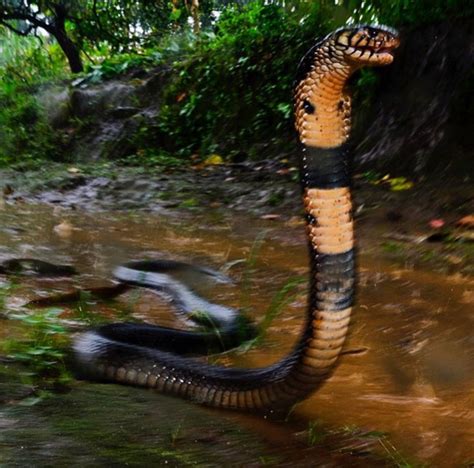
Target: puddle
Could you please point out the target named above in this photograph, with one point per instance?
(413, 382)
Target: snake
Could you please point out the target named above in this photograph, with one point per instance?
(322, 113)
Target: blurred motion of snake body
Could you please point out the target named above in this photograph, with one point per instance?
(323, 121)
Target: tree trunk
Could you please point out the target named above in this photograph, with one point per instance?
(195, 15)
(70, 50)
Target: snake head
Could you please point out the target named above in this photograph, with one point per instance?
(367, 45)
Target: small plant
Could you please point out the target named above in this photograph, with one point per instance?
(392, 247)
(189, 203)
(394, 454)
(150, 157)
(41, 349)
(280, 300)
(396, 184)
(4, 288)
(316, 433)
(284, 296)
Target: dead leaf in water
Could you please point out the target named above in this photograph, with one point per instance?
(295, 221)
(63, 229)
(468, 297)
(73, 170)
(436, 223)
(8, 190)
(271, 216)
(416, 239)
(466, 222)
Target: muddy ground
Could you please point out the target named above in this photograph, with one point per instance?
(404, 398)
(425, 222)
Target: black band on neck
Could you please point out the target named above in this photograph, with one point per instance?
(324, 168)
(333, 279)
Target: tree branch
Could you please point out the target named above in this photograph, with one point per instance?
(22, 16)
(15, 30)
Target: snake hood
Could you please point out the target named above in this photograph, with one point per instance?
(322, 102)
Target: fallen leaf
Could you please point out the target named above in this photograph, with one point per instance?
(466, 222)
(295, 221)
(416, 239)
(283, 171)
(464, 236)
(8, 190)
(213, 160)
(73, 170)
(436, 223)
(454, 259)
(398, 184)
(63, 229)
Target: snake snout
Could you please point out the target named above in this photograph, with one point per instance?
(368, 45)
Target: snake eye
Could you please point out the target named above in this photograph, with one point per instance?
(372, 33)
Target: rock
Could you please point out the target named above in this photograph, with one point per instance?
(55, 102)
(93, 102)
(123, 112)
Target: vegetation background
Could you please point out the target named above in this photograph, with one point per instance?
(226, 70)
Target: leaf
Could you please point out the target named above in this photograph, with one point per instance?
(400, 183)
(213, 160)
(466, 222)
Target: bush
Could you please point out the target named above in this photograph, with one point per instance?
(233, 93)
(25, 65)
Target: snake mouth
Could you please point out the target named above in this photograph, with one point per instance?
(368, 45)
(376, 50)
(373, 55)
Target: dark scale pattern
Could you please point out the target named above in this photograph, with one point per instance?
(333, 274)
(325, 168)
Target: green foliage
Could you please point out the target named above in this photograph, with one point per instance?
(119, 65)
(396, 184)
(24, 134)
(24, 67)
(41, 349)
(233, 93)
(230, 88)
(392, 247)
(316, 433)
(125, 25)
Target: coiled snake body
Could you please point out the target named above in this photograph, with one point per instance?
(322, 117)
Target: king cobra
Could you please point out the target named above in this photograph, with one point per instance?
(323, 123)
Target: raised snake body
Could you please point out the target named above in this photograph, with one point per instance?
(322, 117)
